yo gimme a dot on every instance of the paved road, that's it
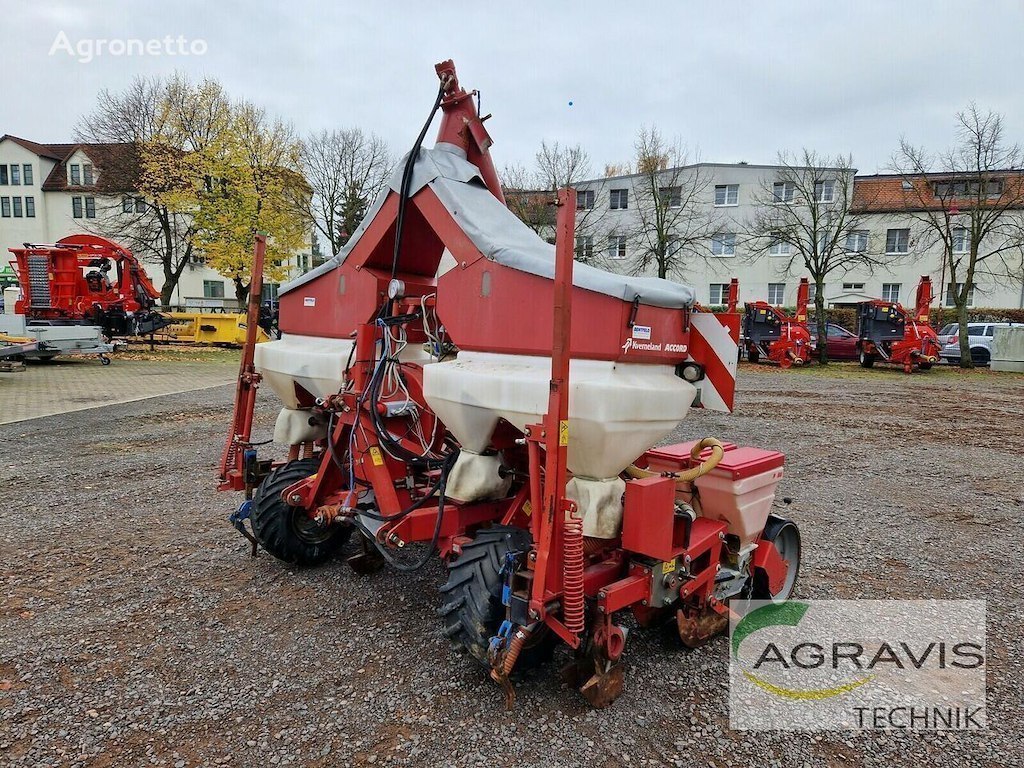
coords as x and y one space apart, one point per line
64 385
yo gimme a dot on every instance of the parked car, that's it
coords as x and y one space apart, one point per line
979 337
842 344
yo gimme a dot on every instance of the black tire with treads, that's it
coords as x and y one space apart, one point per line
472 610
285 531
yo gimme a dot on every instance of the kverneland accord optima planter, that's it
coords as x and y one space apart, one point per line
454 386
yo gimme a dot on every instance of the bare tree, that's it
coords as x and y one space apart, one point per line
973 207
528 197
529 192
673 222
345 170
805 213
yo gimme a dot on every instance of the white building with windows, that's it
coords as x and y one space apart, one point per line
50 191
729 193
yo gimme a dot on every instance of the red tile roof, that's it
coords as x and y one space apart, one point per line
51 151
117 165
888 194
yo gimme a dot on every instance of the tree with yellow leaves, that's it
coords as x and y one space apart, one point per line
251 183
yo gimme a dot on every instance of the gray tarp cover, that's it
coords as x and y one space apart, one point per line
499 235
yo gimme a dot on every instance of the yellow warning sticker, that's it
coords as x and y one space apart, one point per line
669 566
376 456
563 432
527 509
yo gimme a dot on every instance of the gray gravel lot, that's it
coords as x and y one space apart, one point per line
136 630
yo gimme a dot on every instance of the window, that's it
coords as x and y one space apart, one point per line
30 207
825 191
718 293
87 175
26 175
270 292
953 290
961 240
727 194
619 199
776 293
5 207
617 247
857 241
897 241
891 292
723 244
853 286
140 205
778 247
584 199
213 289
3 175
76 207
15 174
671 197
584 246
76 175
990 330
126 205
90 207
17 207
966 189
784 191
674 246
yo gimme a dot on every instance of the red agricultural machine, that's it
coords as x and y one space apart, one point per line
771 334
86 280
454 386
890 334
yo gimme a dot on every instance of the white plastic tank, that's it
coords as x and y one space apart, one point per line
616 410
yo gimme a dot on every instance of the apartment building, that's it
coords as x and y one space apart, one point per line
729 196
50 191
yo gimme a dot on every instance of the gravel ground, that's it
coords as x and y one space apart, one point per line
136 630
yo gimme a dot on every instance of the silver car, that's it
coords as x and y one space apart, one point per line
979 337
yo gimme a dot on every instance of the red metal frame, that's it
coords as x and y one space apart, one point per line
232 460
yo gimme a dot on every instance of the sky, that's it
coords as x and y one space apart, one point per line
734 81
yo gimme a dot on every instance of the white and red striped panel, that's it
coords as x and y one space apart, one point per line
714 343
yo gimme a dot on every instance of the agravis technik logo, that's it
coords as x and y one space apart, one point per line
838 664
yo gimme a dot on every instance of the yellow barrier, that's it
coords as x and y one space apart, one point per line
209 328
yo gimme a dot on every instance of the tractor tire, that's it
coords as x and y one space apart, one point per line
866 360
285 531
786 537
753 355
472 611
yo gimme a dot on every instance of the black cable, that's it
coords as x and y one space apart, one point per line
440 487
390 444
403 194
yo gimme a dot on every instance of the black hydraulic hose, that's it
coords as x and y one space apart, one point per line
432 548
403 194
